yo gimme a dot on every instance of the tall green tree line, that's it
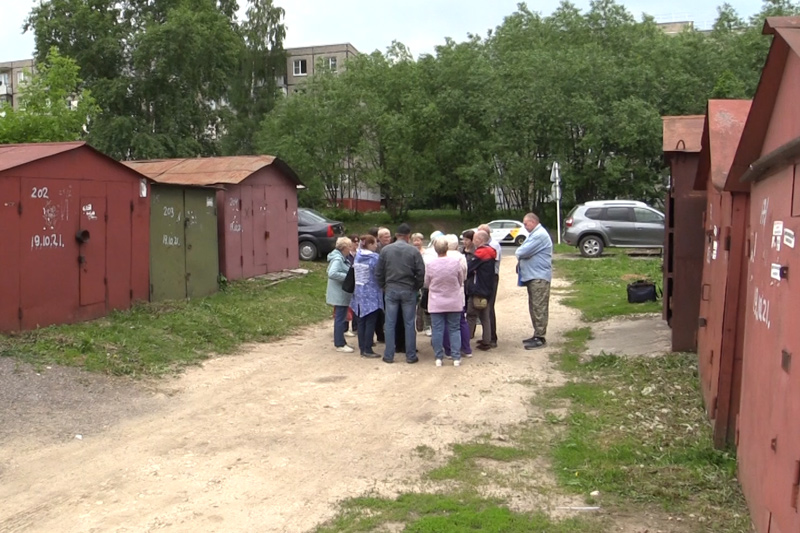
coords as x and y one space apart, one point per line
171 78
586 89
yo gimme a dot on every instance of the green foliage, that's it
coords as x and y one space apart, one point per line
172 78
600 284
486 116
52 106
153 339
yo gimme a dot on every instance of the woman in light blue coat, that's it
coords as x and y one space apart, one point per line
335 296
368 296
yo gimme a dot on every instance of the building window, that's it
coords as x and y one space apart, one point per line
300 67
20 77
330 62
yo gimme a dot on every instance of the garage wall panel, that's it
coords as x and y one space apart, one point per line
48 251
202 253
9 256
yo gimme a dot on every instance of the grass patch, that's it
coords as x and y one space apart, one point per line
154 339
462 465
444 513
637 432
599 285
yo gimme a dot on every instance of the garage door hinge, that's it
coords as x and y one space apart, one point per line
105 217
19 208
105 281
287 252
241 260
19 313
131 206
728 243
130 293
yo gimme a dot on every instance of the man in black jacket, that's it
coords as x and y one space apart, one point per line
400 272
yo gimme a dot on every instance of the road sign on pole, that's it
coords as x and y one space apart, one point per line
555 177
555 191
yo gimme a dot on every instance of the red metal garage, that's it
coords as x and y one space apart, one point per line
256 208
683 243
75 225
768 161
718 337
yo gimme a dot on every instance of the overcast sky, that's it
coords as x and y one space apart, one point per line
373 24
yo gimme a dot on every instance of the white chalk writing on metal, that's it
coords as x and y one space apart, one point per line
42 192
51 240
761 308
171 240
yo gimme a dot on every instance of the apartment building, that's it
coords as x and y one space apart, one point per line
302 62
13 75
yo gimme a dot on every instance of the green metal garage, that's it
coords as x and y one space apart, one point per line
184 258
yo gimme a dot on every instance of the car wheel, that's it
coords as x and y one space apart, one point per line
519 240
308 251
591 246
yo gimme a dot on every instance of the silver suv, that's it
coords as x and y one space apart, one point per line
625 223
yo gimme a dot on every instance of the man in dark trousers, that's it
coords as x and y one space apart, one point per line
479 286
400 273
499 250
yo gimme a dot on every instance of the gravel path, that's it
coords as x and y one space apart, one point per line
268 440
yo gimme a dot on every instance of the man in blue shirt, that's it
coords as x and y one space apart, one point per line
535 266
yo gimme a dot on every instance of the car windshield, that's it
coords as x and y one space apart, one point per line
309 217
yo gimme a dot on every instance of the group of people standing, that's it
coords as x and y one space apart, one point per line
401 286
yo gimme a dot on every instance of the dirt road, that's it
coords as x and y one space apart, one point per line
268 440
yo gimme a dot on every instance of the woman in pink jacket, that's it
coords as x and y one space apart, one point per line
444 279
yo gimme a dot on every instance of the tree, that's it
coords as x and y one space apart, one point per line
261 63
52 106
585 89
161 69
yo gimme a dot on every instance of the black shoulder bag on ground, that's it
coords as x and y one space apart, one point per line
349 283
641 291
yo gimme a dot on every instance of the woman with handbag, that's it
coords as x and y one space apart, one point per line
480 284
335 295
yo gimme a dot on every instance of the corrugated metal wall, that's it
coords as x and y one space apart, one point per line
683 252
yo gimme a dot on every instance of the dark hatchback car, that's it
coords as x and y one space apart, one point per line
317 234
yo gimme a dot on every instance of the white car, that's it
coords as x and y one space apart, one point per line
507 231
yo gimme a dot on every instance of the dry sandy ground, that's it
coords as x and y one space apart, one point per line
265 441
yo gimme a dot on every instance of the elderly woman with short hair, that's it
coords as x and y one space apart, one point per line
335 295
466 349
444 278
367 299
